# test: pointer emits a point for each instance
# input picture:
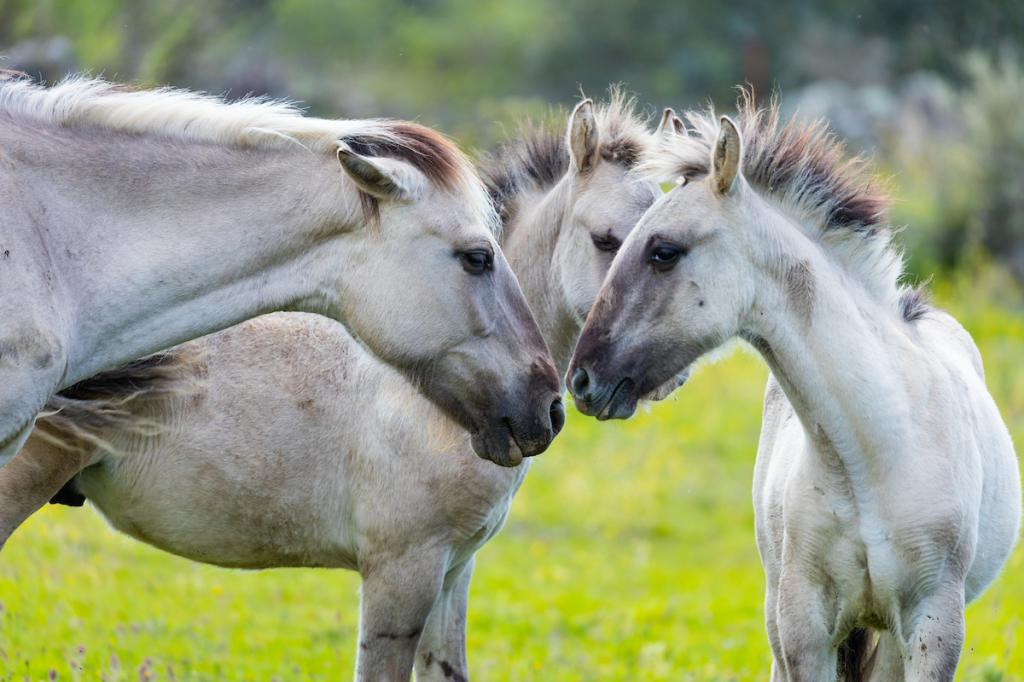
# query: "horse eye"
(665, 256)
(605, 243)
(477, 261)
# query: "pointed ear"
(670, 125)
(725, 158)
(584, 144)
(375, 176)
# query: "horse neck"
(160, 242)
(836, 351)
(529, 243)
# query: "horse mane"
(251, 122)
(805, 169)
(538, 156)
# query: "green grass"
(629, 555)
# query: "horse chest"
(870, 555)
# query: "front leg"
(804, 627)
(933, 649)
(32, 477)
(397, 596)
(441, 655)
(771, 622)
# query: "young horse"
(174, 215)
(886, 490)
(303, 450)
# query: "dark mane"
(806, 169)
(537, 159)
(538, 156)
(914, 303)
(799, 162)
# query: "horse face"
(678, 288)
(431, 293)
(607, 203)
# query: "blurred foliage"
(450, 60)
(476, 67)
(995, 127)
(960, 183)
(629, 555)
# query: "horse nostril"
(580, 383)
(557, 412)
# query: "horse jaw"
(666, 389)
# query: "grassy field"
(629, 556)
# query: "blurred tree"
(465, 65)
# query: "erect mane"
(538, 156)
(805, 169)
(253, 122)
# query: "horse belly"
(201, 512)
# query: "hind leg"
(28, 481)
(441, 654)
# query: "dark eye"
(476, 262)
(605, 242)
(665, 256)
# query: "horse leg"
(35, 475)
(933, 648)
(804, 630)
(442, 651)
(32, 361)
(771, 622)
(397, 596)
(887, 660)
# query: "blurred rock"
(49, 59)
(859, 113)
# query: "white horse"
(886, 492)
(301, 449)
(131, 221)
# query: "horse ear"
(679, 126)
(375, 176)
(725, 159)
(584, 143)
(670, 125)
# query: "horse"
(301, 449)
(886, 489)
(134, 220)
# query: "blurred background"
(630, 553)
(930, 88)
